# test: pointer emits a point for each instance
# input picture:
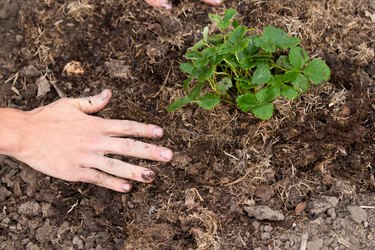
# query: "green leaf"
(177, 104)
(246, 101)
(247, 63)
(204, 73)
(195, 92)
(205, 33)
(208, 101)
(201, 43)
(240, 45)
(298, 57)
(231, 60)
(201, 62)
(274, 38)
(301, 83)
(215, 39)
(262, 74)
(225, 84)
(209, 52)
(268, 94)
(263, 111)
(187, 67)
(289, 92)
(275, 80)
(251, 47)
(290, 76)
(215, 18)
(283, 61)
(317, 71)
(224, 48)
(187, 82)
(229, 14)
(193, 55)
(237, 34)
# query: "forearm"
(12, 125)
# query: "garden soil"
(302, 180)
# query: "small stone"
(323, 204)
(4, 193)
(78, 242)
(19, 38)
(30, 208)
(265, 236)
(332, 213)
(262, 212)
(29, 71)
(343, 188)
(267, 228)
(256, 225)
(43, 86)
(44, 233)
(357, 214)
(371, 4)
(32, 246)
(316, 244)
(365, 224)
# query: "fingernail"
(166, 154)
(148, 175)
(166, 6)
(126, 187)
(158, 132)
(103, 96)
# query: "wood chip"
(300, 207)
(73, 68)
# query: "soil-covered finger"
(121, 169)
(102, 179)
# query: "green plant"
(248, 69)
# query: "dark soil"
(225, 160)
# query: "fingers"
(92, 104)
(102, 179)
(212, 2)
(121, 169)
(131, 128)
(160, 4)
(133, 148)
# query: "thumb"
(92, 104)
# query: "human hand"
(62, 141)
(165, 4)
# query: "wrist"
(12, 125)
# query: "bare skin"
(165, 4)
(63, 141)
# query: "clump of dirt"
(320, 145)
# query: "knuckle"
(128, 145)
(127, 125)
(112, 164)
(98, 178)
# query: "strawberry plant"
(235, 65)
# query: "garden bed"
(319, 145)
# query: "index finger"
(131, 128)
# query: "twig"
(238, 180)
(368, 207)
(73, 206)
(305, 236)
